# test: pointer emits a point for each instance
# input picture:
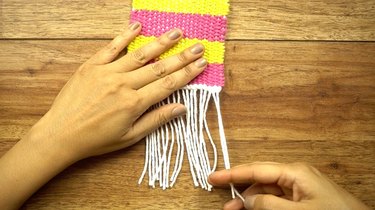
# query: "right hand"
(285, 186)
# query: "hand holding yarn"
(284, 186)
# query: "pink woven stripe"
(155, 23)
(213, 75)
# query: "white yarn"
(186, 130)
(146, 161)
(209, 134)
(193, 138)
(180, 143)
(175, 128)
(195, 143)
(223, 142)
(186, 134)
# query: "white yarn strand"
(154, 159)
(178, 153)
(146, 161)
(157, 157)
(172, 136)
(186, 134)
(196, 145)
(190, 126)
(180, 158)
(202, 116)
(174, 127)
(223, 142)
(202, 143)
(180, 138)
(209, 134)
(151, 157)
(186, 130)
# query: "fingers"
(162, 88)
(263, 189)
(152, 72)
(270, 202)
(266, 173)
(153, 120)
(118, 44)
(267, 201)
(254, 190)
(278, 186)
(141, 56)
(234, 204)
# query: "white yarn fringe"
(188, 134)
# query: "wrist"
(31, 162)
(48, 145)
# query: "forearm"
(27, 166)
(101, 109)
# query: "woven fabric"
(194, 26)
(211, 7)
(201, 21)
(214, 51)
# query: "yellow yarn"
(214, 51)
(212, 7)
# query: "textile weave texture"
(201, 21)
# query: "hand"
(284, 186)
(102, 107)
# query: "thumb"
(269, 202)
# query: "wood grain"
(283, 101)
(109, 182)
(352, 20)
(296, 99)
(276, 90)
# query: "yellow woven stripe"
(214, 51)
(211, 7)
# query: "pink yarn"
(208, 27)
(213, 75)
(155, 23)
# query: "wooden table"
(300, 87)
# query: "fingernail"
(198, 48)
(174, 34)
(201, 62)
(233, 204)
(134, 26)
(178, 111)
(249, 202)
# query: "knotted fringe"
(189, 134)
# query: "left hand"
(102, 107)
